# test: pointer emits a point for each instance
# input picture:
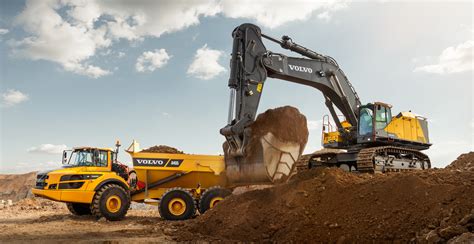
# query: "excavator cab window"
(365, 121)
(383, 116)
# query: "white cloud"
(70, 32)
(452, 60)
(149, 61)
(89, 70)
(120, 54)
(273, 14)
(47, 148)
(315, 124)
(13, 97)
(3, 31)
(68, 41)
(205, 65)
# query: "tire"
(111, 202)
(177, 204)
(79, 208)
(211, 197)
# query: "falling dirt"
(285, 123)
(288, 127)
(162, 149)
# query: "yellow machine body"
(405, 129)
(76, 184)
(409, 127)
(79, 184)
(194, 172)
(333, 136)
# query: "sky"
(89, 72)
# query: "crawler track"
(366, 159)
(374, 159)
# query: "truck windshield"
(87, 158)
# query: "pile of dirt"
(162, 149)
(336, 206)
(16, 187)
(464, 162)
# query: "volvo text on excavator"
(366, 138)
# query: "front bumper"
(65, 195)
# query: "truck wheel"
(211, 197)
(79, 208)
(111, 202)
(177, 204)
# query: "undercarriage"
(368, 160)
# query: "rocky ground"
(38, 220)
(327, 205)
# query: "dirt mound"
(332, 205)
(162, 149)
(464, 162)
(16, 187)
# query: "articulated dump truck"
(93, 182)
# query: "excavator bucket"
(270, 160)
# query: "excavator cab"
(373, 118)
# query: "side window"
(112, 157)
(365, 121)
(102, 161)
(380, 117)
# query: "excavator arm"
(251, 64)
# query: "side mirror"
(64, 157)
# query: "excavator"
(365, 138)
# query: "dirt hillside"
(16, 187)
(335, 206)
(463, 162)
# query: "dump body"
(158, 172)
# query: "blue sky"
(89, 72)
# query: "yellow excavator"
(366, 138)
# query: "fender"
(113, 181)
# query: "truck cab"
(86, 172)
